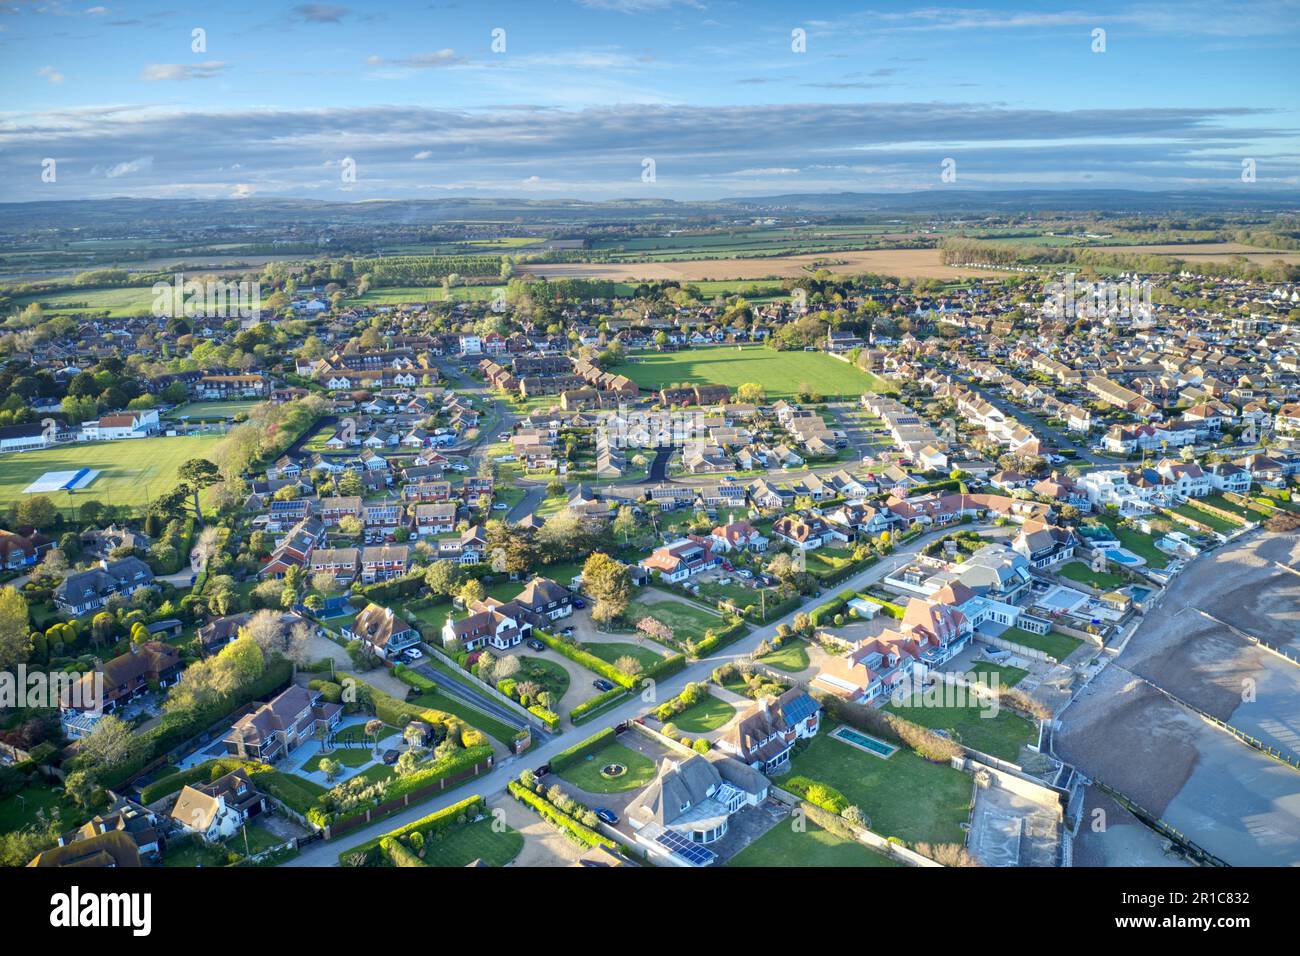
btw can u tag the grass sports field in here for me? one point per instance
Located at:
(131, 472)
(780, 373)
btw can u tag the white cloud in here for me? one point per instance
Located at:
(156, 72)
(51, 74)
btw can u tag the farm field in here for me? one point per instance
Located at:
(780, 373)
(904, 263)
(132, 471)
(114, 301)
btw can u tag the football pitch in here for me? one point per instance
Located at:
(131, 472)
(781, 374)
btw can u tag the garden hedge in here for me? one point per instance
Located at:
(590, 708)
(471, 807)
(553, 814)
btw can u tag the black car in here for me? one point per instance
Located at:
(607, 816)
(602, 685)
(542, 771)
(535, 644)
(579, 603)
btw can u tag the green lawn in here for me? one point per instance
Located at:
(131, 472)
(612, 652)
(356, 733)
(1055, 643)
(1249, 514)
(1000, 735)
(791, 657)
(688, 621)
(1084, 574)
(904, 796)
(1008, 676)
(1140, 544)
(780, 373)
(709, 714)
(113, 300)
(460, 846)
(19, 810)
(783, 846)
(586, 773)
(1221, 525)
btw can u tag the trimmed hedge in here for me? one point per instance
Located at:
(579, 751)
(399, 855)
(471, 807)
(553, 814)
(590, 708)
(549, 718)
(414, 679)
(892, 610)
(205, 772)
(585, 659)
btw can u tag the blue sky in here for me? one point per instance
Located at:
(586, 90)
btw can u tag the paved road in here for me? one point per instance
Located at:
(460, 691)
(489, 784)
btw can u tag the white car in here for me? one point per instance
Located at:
(413, 654)
(500, 506)
(504, 436)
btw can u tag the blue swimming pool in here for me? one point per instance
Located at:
(1123, 557)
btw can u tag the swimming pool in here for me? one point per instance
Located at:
(1120, 556)
(865, 742)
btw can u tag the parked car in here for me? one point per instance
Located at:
(535, 644)
(607, 815)
(602, 685)
(567, 632)
(542, 771)
(500, 506)
(579, 603)
(412, 654)
(744, 573)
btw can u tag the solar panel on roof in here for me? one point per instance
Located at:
(692, 853)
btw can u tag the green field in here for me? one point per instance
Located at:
(132, 471)
(780, 373)
(211, 410)
(784, 846)
(115, 302)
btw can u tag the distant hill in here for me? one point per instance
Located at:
(230, 215)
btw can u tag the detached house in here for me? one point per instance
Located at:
(280, 727)
(218, 809)
(85, 591)
(678, 560)
(764, 736)
(488, 623)
(379, 629)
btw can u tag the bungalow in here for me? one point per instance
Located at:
(806, 531)
(687, 805)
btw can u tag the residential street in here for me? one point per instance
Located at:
(326, 853)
